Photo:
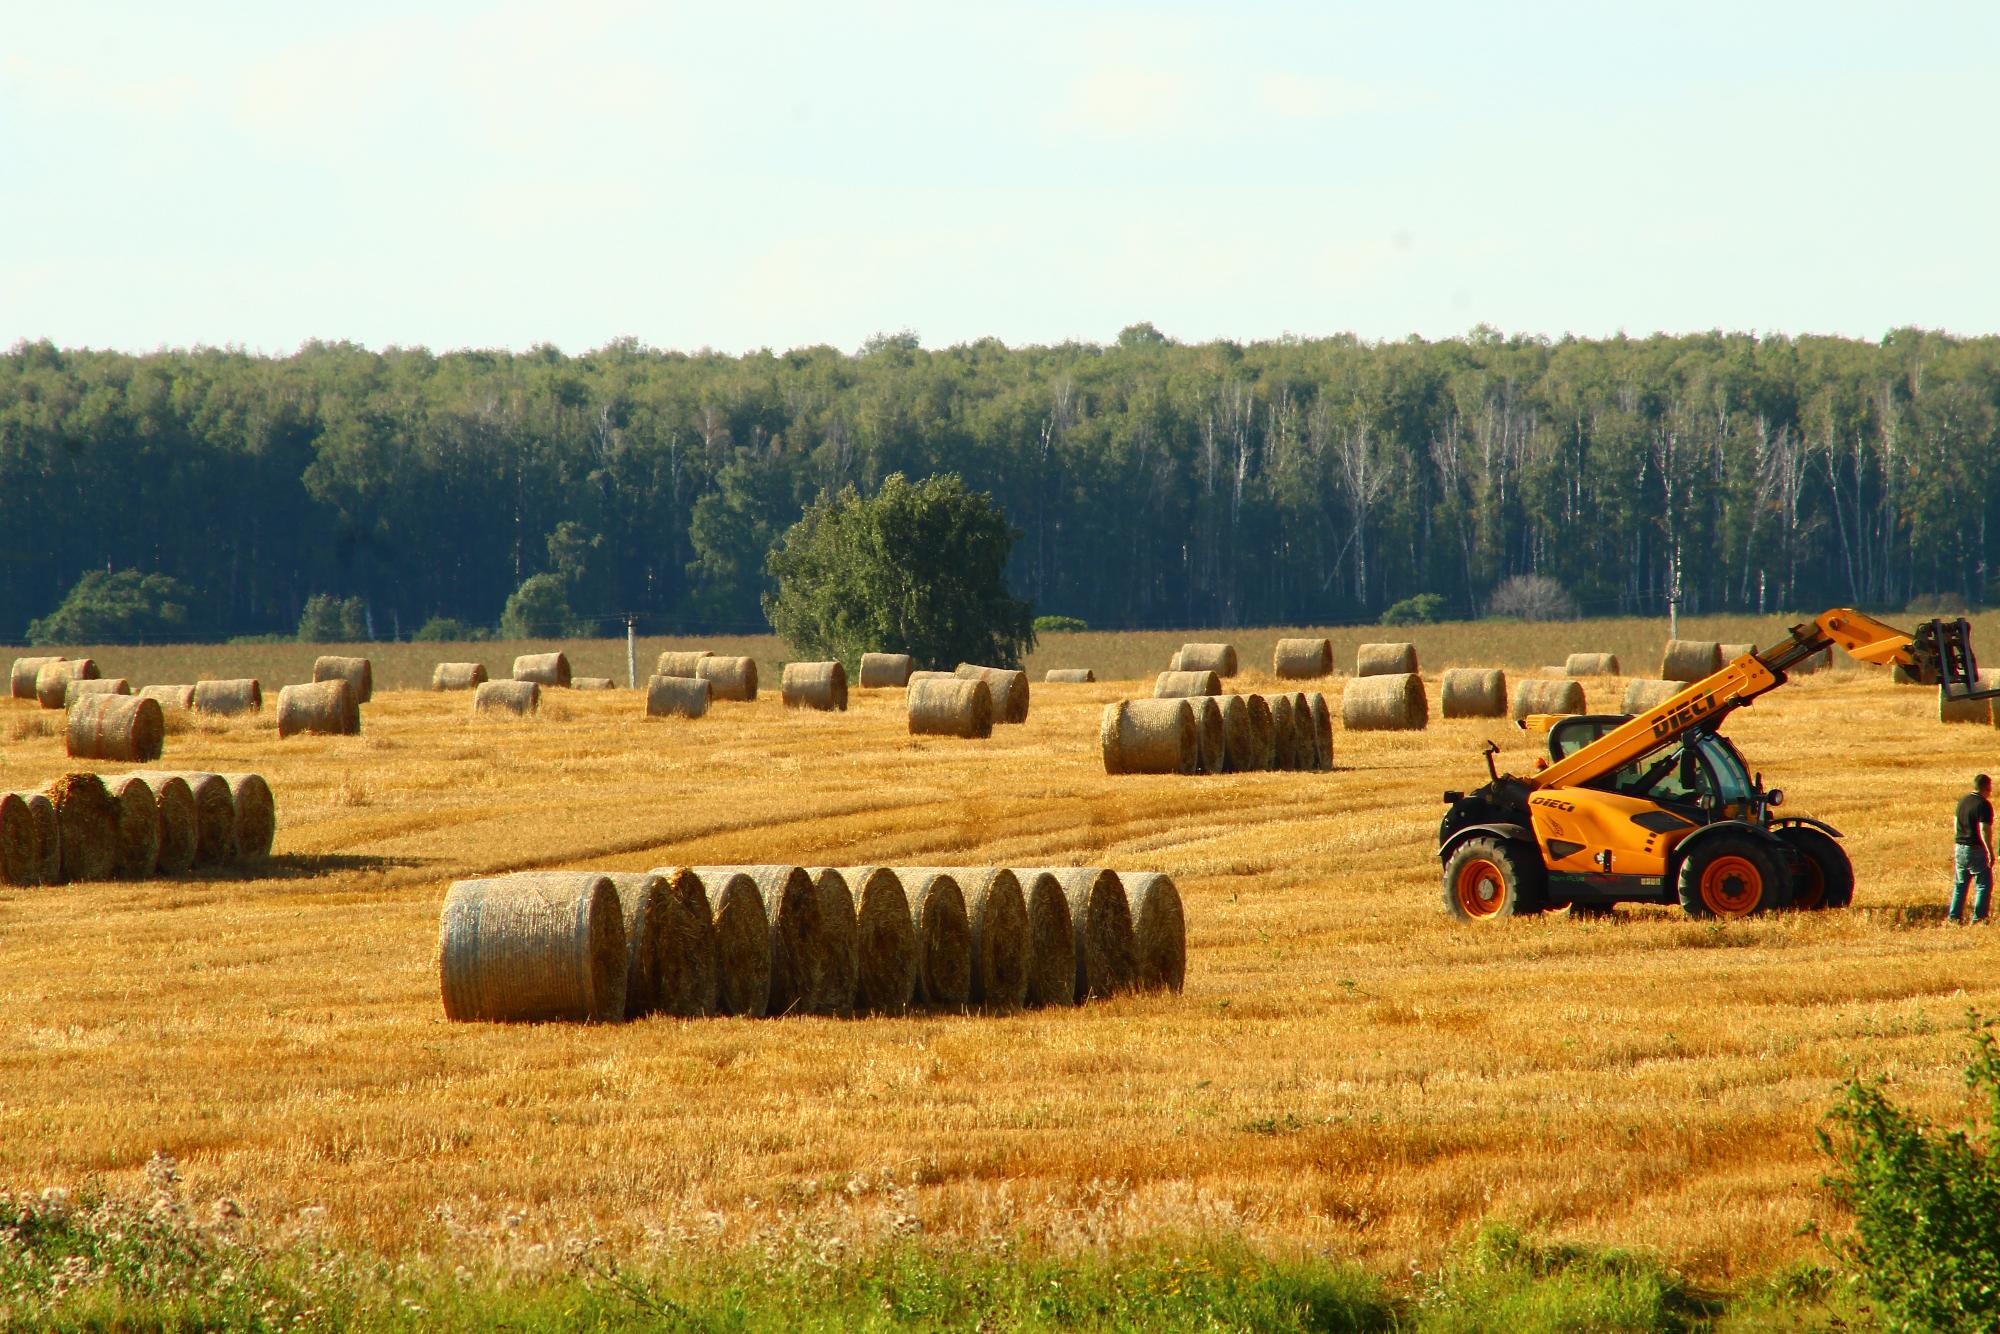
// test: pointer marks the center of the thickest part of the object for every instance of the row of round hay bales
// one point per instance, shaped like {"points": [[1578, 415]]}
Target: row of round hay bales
{"points": [[134, 826], [223, 699], [1212, 734], [791, 940], [729, 678]]}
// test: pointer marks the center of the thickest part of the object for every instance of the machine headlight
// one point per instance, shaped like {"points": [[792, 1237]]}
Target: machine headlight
{"points": [[1775, 797]]}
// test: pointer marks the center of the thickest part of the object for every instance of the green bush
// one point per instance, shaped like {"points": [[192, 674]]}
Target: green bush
{"points": [[539, 609], [331, 620], [122, 608], [446, 629], [1926, 1201], [1059, 625], [1423, 609], [1506, 1281]]}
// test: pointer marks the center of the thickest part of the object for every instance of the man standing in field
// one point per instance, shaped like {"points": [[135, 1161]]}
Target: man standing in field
{"points": [[1974, 851]]}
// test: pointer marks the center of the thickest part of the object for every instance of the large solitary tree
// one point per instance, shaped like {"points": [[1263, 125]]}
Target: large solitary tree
{"points": [[917, 569]]}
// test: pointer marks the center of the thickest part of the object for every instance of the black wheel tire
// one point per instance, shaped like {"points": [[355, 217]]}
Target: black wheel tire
{"points": [[1486, 879], [1733, 875], [1826, 877], [1591, 912]]}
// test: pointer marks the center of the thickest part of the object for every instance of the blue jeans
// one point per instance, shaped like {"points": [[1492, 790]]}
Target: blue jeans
{"points": [[1971, 864]]}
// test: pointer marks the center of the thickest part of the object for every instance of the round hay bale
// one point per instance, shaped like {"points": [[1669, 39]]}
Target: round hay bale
{"points": [[170, 697], [543, 669], [533, 947], [1263, 734], [799, 946], [885, 671], [256, 815], [1690, 659], [1393, 703], [690, 976], [516, 698], [742, 941], [21, 680], [74, 690], [639, 909], [1385, 660], [886, 964], [1186, 685], [214, 813], [1546, 696], [116, 727], [1284, 751], [1009, 687], [1149, 736], [359, 673], [87, 818], [814, 685], [679, 662], [997, 914], [592, 683], [1218, 658], [1210, 743], [1591, 664], [20, 842], [729, 678], [933, 676], [1159, 931], [1818, 662], [1102, 949], [458, 676], [180, 825], [676, 697], [1322, 723], [943, 705], [1239, 740], [843, 940], [1473, 692], [48, 836], [944, 937], [53, 678], [1069, 676], [324, 708], [138, 826], [1969, 710], [226, 699], [1302, 659], [1305, 742], [1051, 947], [1731, 652], [1641, 694]]}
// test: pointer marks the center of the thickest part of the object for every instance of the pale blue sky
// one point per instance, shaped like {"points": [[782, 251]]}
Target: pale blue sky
{"points": [[749, 175]]}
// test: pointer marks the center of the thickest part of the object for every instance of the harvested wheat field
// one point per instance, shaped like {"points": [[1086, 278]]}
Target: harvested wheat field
{"points": [[1346, 1070]]}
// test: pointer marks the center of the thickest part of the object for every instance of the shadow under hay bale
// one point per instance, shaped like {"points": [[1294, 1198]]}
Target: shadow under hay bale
{"points": [[226, 699], [944, 937], [886, 964], [130, 728], [1009, 687], [1473, 692], [1302, 659], [1210, 743], [821, 686], [1186, 685], [458, 676], [1546, 696], [1069, 676], [87, 818], [1642, 694], [514, 698], [742, 941], [676, 697], [20, 842], [21, 678], [548, 670], [1218, 658], [843, 940], [138, 826], [256, 815], [1159, 931], [1690, 660], [359, 673], [729, 678], [1591, 664], [534, 947], [1103, 951], [1149, 736], [1385, 703], [1393, 659], [885, 671], [1051, 946], [997, 914], [53, 678], [679, 662], [690, 975], [942, 705], [324, 708], [170, 697]]}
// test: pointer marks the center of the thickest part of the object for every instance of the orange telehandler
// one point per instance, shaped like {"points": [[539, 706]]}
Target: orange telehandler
{"points": [[1661, 808]]}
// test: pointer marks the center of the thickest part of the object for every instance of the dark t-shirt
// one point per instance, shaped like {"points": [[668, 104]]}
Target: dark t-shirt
{"points": [[1973, 811]]}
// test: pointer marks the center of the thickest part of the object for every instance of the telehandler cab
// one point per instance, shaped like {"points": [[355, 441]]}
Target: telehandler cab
{"points": [[1660, 807]]}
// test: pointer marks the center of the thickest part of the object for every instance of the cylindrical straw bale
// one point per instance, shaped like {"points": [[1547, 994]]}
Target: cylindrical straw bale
{"points": [[359, 673], [1051, 946], [74, 690], [729, 678], [225, 699], [1818, 662], [742, 941], [943, 705], [1103, 951], [116, 727], [814, 685], [88, 820], [639, 909], [1149, 736], [1239, 740], [997, 913], [21, 679], [1969, 710], [48, 836], [214, 813], [1211, 746], [510, 697], [180, 824], [886, 963], [538, 946], [842, 934], [1218, 658], [1385, 660], [1731, 652], [53, 678], [20, 842], [885, 671], [458, 676], [1546, 696], [256, 815], [1473, 692], [138, 826], [676, 697], [1284, 747], [1690, 659], [798, 941], [944, 937], [1159, 931], [689, 981], [1641, 694], [544, 669], [1305, 736], [325, 708], [1009, 687], [592, 683], [1393, 703], [917, 676], [170, 697], [678, 662], [1186, 685], [1591, 664], [1263, 752], [1302, 659], [1069, 676], [1322, 718]]}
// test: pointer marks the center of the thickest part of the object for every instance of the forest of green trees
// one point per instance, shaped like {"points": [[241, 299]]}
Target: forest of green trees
{"points": [[1153, 483]]}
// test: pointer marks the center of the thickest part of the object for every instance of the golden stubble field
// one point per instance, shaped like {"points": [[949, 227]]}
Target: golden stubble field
{"points": [[1347, 1071]]}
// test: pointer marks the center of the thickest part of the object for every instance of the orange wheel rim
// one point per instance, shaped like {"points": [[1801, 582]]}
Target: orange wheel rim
{"points": [[1480, 888], [1731, 886], [1812, 887]]}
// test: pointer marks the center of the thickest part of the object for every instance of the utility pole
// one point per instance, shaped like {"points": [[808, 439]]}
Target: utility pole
{"points": [[631, 652], [1674, 596]]}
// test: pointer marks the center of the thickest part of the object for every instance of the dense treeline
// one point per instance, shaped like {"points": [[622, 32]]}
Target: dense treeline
{"points": [[1154, 483]]}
